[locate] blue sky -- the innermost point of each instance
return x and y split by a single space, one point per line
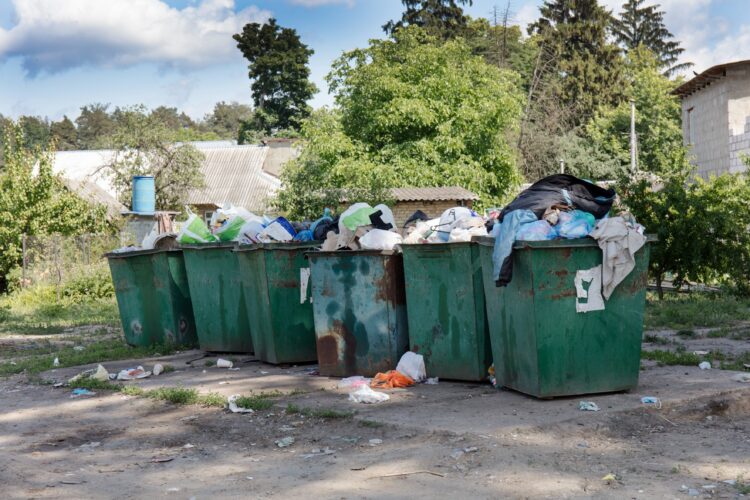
57 55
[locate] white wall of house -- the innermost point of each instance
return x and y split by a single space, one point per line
714 123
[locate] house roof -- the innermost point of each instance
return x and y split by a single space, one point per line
706 78
235 175
450 193
93 193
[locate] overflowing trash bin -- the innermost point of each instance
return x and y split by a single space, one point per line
153 297
275 278
359 311
446 309
219 306
552 331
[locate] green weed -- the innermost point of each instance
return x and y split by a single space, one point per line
209 362
672 358
656 339
131 390
687 311
93 384
175 395
256 403
371 424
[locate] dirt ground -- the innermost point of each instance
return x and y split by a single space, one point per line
454 440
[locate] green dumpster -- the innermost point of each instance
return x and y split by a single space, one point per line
275 278
445 309
153 297
221 318
359 308
541 345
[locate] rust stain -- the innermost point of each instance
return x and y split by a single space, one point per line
562 273
565 294
286 284
328 351
566 252
390 287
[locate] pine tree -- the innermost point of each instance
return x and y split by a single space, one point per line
444 19
644 26
64 133
280 73
589 67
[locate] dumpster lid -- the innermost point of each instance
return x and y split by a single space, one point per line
563 243
209 246
134 253
299 245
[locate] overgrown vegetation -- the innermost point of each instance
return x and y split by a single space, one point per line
695 310
682 357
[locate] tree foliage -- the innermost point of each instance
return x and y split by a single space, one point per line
144 145
411 111
588 68
64 134
34 201
94 125
227 118
280 73
443 19
644 26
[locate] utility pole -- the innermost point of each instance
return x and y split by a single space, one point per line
633 165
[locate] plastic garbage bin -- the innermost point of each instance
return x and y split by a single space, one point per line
153 297
541 345
445 309
275 278
218 300
359 308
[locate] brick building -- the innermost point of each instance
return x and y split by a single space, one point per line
432 200
716 118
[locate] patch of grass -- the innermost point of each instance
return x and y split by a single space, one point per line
323 413
167 368
671 358
656 339
93 384
38 311
212 399
687 311
720 333
98 352
371 424
174 395
686 334
209 362
256 403
131 390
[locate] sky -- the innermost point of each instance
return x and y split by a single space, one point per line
58 55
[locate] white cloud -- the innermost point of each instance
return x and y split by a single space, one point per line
318 3
53 35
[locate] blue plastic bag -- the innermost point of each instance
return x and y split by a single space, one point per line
536 231
575 224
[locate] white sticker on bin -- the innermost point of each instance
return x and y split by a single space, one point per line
304 279
593 294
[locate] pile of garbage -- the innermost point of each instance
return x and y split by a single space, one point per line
360 227
236 224
458 224
409 371
566 207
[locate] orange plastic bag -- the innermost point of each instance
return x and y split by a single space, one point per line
391 379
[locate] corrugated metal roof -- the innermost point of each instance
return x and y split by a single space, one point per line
448 193
235 175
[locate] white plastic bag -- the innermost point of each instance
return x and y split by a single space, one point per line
353 382
275 232
412 365
378 239
232 405
366 395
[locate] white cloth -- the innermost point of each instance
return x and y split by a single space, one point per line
619 242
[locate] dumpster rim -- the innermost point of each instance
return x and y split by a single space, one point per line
333 253
135 253
208 246
276 246
438 246
584 242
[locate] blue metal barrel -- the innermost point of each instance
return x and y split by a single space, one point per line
144 194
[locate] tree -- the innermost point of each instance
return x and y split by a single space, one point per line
587 66
503 45
280 73
145 146
36 131
411 111
443 19
171 118
94 124
644 26
227 117
34 201
64 133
